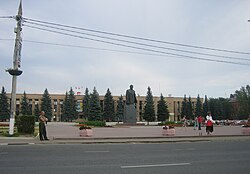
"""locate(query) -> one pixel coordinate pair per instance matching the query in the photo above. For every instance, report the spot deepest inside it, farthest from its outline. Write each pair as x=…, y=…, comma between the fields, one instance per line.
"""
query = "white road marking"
x=96, y=151
x=156, y=165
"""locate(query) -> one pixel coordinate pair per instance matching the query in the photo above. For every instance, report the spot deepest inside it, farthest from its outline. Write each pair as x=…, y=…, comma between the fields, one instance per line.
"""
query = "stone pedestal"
x=168, y=132
x=86, y=133
x=129, y=114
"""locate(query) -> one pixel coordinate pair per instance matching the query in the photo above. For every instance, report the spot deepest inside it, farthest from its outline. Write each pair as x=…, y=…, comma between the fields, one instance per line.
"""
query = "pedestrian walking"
x=42, y=127
x=199, y=122
x=184, y=120
x=209, y=124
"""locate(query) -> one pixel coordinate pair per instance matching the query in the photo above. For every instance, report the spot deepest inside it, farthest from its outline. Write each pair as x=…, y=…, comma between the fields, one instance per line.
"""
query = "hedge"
x=26, y=124
x=94, y=123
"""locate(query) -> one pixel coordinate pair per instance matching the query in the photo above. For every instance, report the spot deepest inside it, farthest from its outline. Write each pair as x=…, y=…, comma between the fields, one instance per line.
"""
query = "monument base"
x=129, y=114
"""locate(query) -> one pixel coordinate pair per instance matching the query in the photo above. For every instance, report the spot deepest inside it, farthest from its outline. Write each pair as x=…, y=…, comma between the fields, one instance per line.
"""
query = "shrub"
x=84, y=127
x=94, y=123
x=26, y=124
x=171, y=123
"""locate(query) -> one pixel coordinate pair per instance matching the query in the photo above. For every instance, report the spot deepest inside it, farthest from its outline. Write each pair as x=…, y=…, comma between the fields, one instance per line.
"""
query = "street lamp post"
x=16, y=64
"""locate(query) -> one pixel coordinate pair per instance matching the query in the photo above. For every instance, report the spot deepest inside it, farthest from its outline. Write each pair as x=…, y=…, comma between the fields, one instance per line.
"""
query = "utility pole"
x=16, y=64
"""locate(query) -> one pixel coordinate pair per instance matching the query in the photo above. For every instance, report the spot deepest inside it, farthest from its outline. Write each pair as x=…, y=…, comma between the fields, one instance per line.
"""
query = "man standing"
x=130, y=96
x=42, y=128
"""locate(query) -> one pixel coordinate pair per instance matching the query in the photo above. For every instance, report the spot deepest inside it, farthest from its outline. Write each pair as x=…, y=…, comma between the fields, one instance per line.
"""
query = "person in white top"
x=209, y=123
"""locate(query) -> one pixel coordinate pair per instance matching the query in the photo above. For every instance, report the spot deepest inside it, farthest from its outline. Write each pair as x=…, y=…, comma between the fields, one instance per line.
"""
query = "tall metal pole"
x=16, y=64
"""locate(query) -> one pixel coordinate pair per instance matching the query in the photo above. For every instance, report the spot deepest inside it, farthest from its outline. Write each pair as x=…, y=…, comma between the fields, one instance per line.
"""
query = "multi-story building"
x=173, y=103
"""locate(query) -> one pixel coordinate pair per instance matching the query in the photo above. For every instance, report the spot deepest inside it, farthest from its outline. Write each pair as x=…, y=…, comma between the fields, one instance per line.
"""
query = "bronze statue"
x=130, y=96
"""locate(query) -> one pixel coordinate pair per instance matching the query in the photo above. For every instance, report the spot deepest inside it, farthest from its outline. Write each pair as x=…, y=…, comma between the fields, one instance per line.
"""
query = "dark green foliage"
x=95, y=107
x=184, y=107
x=46, y=104
x=149, y=111
x=109, y=110
x=69, y=107
x=86, y=103
x=220, y=108
x=120, y=109
x=162, y=110
x=37, y=111
x=243, y=99
x=72, y=105
x=198, y=107
x=25, y=108
x=26, y=124
x=4, y=106
x=94, y=123
x=180, y=123
x=190, y=114
x=205, y=107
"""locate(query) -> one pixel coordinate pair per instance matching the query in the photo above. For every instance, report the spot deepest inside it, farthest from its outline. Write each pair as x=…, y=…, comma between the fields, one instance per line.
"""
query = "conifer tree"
x=37, y=111
x=69, y=106
x=190, y=114
x=149, y=111
x=184, y=107
x=108, y=111
x=205, y=107
x=95, y=107
x=46, y=104
x=86, y=103
x=162, y=110
x=72, y=105
x=120, y=109
x=198, y=107
x=25, y=109
x=4, y=106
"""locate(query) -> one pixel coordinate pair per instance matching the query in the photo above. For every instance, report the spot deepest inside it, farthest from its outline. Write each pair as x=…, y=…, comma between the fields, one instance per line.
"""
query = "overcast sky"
x=211, y=24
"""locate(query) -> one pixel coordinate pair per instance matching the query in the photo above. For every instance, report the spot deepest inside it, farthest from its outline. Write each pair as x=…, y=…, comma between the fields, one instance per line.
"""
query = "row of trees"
x=221, y=108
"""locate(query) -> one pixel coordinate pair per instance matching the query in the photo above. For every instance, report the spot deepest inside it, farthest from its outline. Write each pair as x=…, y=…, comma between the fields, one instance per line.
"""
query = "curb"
x=159, y=137
x=120, y=140
x=17, y=143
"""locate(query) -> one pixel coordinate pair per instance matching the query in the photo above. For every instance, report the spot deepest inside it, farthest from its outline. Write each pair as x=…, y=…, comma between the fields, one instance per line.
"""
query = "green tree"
x=184, y=107
x=69, y=111
x=149, y=111
x=46, y=104
x=37, y=111
x=220, y=108
x=25, y=108
x=86, y=103
x=198, y=107
x=95, y=107
x=243, y=99
x=4, y=106
x=72, y=105
x=205, y=107
x=108, y=111
x=120, y=109
x=190, y=111
x=162, y=110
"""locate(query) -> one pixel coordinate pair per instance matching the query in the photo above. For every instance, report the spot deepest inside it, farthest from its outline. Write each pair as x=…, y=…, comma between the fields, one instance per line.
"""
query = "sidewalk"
x=64, y=133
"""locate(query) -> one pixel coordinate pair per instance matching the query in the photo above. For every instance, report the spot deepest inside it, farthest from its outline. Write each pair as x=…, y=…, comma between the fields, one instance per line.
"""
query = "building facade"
x=57, y=100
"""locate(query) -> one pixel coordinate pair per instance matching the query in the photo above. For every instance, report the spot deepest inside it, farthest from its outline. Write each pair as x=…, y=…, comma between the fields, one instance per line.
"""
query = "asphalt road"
x=216, y=157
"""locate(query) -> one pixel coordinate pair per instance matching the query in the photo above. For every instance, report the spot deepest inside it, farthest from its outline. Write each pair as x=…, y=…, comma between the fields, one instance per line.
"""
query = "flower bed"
x=168, y=130
x=4, y=124
x=245, y=130
x=86, y=132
